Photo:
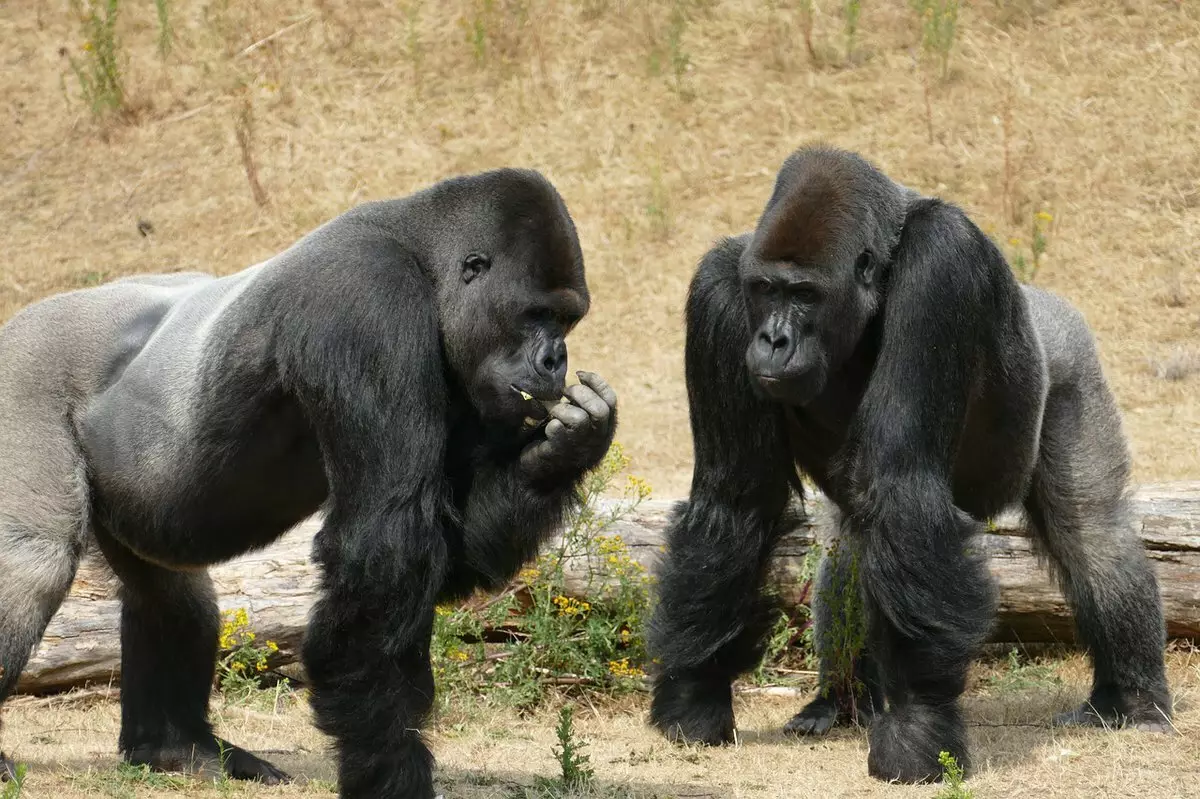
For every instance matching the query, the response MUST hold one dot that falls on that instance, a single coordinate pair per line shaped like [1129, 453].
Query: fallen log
[277, 585]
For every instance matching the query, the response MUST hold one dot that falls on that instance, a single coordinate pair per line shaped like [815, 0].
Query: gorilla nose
[551, 361]
[773, 346]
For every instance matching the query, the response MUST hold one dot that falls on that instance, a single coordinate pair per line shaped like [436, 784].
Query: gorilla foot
[817, 718]
[1087, 715]
[209, 760]
[691, 711]
[8, 768]
[905, 744]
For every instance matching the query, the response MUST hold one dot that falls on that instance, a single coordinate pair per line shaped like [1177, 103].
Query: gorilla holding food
[876, 341]
[398, 368]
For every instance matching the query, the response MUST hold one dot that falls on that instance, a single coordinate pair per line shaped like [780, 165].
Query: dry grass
[1086, 109]
[487, 753]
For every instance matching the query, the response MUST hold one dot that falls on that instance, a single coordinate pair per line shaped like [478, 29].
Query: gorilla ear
[474, 265]
[864, 268]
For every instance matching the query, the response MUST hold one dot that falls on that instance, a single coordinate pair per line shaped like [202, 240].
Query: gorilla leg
[38, 570]
[169, 631]
[849, 688]
[930, 605]
[43, 507]
[1078, 509]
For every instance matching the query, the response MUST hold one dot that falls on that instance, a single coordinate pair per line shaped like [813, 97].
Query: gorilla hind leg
[38, 568]
[1078, 510]
[169, 634]
[849, 689]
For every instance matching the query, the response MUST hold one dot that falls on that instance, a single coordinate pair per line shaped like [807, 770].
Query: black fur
[877, 341]
[370, 370]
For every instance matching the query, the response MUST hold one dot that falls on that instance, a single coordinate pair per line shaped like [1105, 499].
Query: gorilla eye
[474, 265]
[761, 285]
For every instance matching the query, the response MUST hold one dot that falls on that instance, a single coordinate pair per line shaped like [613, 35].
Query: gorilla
[390, 369]
[876, 341]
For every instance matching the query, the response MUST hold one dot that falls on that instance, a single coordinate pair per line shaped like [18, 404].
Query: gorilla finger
[553, 428]
[570, 415]
[590, 401]
[597, 383]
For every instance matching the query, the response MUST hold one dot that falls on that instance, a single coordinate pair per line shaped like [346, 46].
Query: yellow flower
[1045, 216]
[87, 46]
[1015, 242]
[621, 668]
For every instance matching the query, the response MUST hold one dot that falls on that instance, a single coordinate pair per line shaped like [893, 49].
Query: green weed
[852, 11]
[1022, 676]
[953, 782]
[1025, 266]
[12, 788]
[243, 661]
[939, 22]
[166, 33]
[841, 644]
[572, 762]
[127, 781]
[98, 70]
[546, 634]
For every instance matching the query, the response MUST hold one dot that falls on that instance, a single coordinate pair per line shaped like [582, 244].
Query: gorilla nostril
[549, 363]
[780, 342]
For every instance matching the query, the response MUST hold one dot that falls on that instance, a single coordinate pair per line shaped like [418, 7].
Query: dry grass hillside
[662, 123]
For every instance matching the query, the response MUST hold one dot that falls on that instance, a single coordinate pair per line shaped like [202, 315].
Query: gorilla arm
[711, 617]
[929, 599]
[358, 345]
[519, 495]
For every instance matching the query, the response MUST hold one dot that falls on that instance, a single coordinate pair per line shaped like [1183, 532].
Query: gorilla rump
[876, 340]
[384, 367]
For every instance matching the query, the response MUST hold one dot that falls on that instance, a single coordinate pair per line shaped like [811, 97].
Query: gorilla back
[877, 341]
[380, 368]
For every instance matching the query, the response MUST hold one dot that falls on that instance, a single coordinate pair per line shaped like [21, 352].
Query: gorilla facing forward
[386, 368]
[876, 340]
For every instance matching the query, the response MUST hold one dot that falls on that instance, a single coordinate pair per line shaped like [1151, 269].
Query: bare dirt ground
[663, 133]
[492, 754]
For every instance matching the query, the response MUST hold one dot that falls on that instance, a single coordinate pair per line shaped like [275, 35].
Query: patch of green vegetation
[953, 781]
[1022, 675]
[16, 782]
[98, 69]
[586, 636]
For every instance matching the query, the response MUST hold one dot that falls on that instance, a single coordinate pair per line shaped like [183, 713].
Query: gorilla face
[510, 292]
[808, 278]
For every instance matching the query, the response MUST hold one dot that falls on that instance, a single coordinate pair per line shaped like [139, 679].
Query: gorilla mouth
[537, 409]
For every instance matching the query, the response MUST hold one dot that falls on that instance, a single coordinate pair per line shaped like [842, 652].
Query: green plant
[852, 10]
[1026, 268]
[841, 644]
[953, 782]
[125, 780]
[544, 635]
[476, 28]
[572, 762]
[98, 70]
[165, 31]
[939, 22]
[16, 781]
[242, 660]
[669, 52]
[1022, 676]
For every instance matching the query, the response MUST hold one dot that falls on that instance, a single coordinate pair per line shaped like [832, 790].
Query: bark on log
[277, 585]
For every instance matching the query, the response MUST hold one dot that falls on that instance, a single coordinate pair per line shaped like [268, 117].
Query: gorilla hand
[578, 434]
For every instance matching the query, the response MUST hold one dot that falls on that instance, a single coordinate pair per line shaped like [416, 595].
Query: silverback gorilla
[876, 341]
[386, 368]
